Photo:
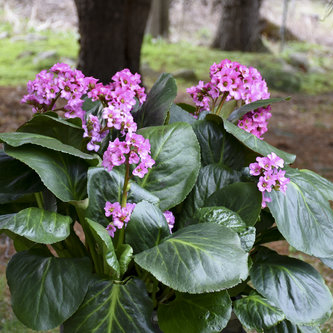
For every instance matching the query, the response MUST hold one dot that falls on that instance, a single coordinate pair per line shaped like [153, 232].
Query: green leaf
[240, 112]
[106, 186]
[259, 146]
[17, 139]
[176, 152]
[159, 100]
[37, 225]
[178, 114]
[210, 179]
[287, 327]
[293, 286]
[187, 107]
[147, 227]
[284, 326]
[104, 249]
[256, 312]
[217, 146]
[113, 308]
[53, 126]
[125, 256]
[230, 219]
[197, 259]
[303, 215]
[46, 291]
[242, 198]
[195, 313]
[64, 175]
[16, 179]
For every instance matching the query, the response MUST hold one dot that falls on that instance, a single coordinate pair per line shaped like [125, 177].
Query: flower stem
[39, 199]
[219, 108]
[124, 200]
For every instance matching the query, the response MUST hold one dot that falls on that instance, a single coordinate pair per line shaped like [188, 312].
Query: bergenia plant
[130, 213]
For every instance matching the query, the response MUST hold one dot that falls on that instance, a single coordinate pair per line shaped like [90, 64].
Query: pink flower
[170, 219]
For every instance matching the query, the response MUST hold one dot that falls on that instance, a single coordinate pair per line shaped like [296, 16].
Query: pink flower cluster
[256, 121]
[135, 148]
[170, 219]
[120, 215]
[117, 97]
[231, 80]
[270, 175]
[60, 81]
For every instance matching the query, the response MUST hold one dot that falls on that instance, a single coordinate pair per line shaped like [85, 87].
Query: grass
[19, 60]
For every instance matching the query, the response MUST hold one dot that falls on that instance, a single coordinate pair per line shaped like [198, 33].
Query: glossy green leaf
[177, 114]
[16, 179]
[197, 259]
[176, 153]
[159, 100]
[256, 312]
[147, 227]
[204, 313]
[293, 286]
[242, 198]
[210, 179]
[46, 291]
[303, 215]
[217, 146]
[228, 108]
[230, 219]
[37, 225]
[106, 186]
[259, 146]
[104, 249]
[240, 112]
[125, 256]
[53, 126]
[284, 326]
[113, 308]
[64, 175]
[18, 139]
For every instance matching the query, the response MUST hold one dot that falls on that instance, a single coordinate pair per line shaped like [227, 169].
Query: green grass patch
[19, 56]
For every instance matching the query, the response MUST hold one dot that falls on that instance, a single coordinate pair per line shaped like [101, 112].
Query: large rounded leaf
[230, 219]
[38, 225]
[113, 308]
[159, 100]
[197, 259]
[242, 198]
[16, 179]
[293, 286]
[64, 175]
[50, 124]
[146, 228]
[18, 139]
[217, 146]
[106, 186]
[303, 215]
[204, 313]
[177, 113]
[210, 179]
[46, 290]
[176, 152]
[256, 312]
[259, 146]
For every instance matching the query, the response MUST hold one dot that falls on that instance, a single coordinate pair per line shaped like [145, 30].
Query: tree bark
[158, 21]
[111, 34]
[239, 28]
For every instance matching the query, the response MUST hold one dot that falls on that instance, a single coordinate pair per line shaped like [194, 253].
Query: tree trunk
[158, 21]
[239, 28]
[111, 34]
